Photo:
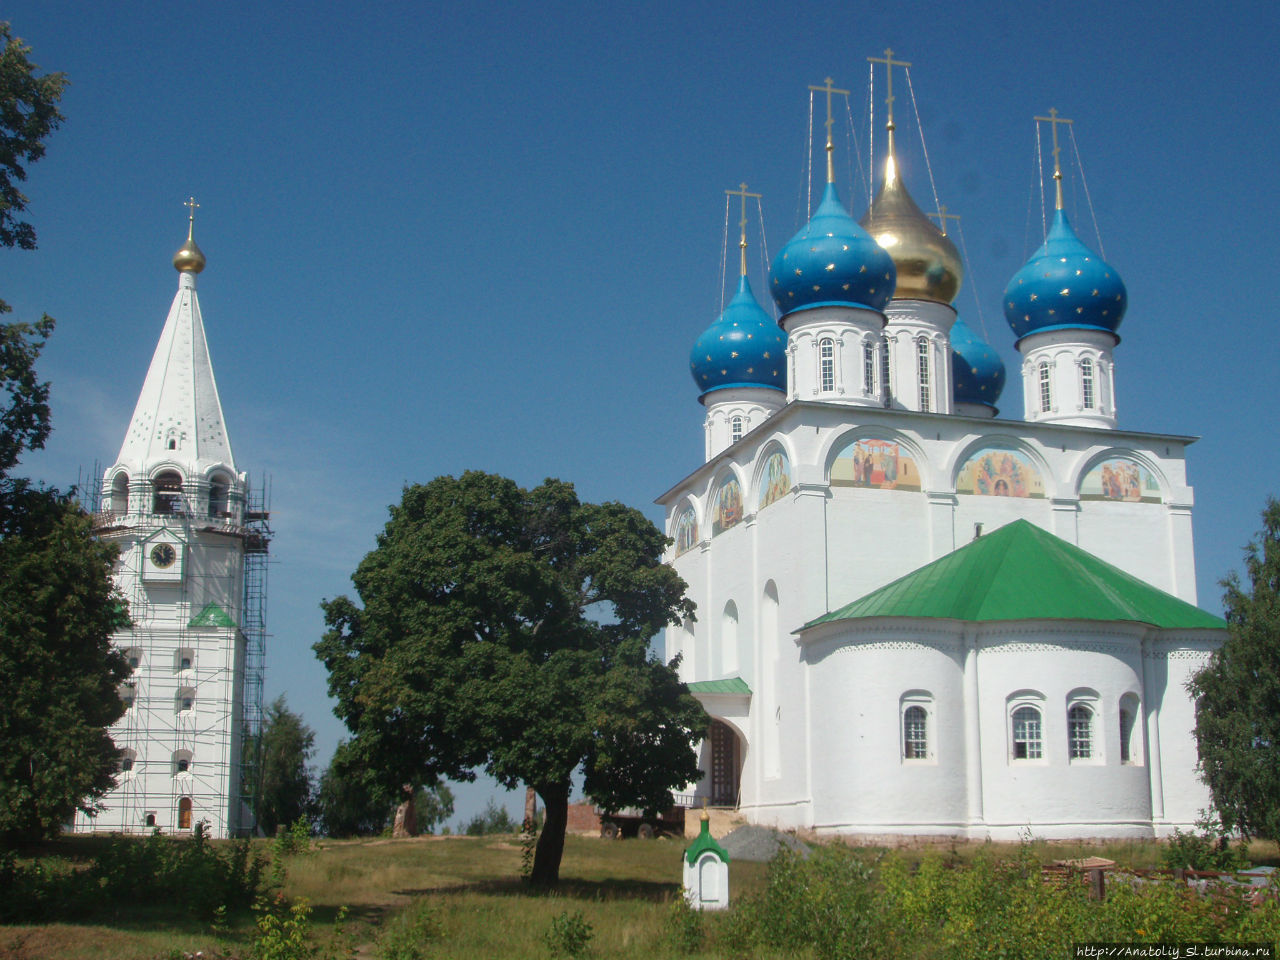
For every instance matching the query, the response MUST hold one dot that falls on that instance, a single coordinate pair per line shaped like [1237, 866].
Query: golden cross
[889, 64]
[1053, 120]
[191, 205]
[829, 90]
[943, 217]
[742, 243]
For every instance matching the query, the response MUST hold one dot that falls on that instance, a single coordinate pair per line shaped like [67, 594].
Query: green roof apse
[1020, 572]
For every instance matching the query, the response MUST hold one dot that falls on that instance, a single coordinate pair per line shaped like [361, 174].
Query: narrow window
[827, 365]
[183, 764]
[1086, 383]
[151, 820]
[884, 371]
[1027, 743]
[185, 700]
[735, 429]
[922, 364]
[1130, 745]
[219, 489]
[184, 813]
[1080, 732]
[1046, 398]
[126, 764]
[173, 444]
[868, 369]
[181, 761]
[915, 733]
[134, 656]
[120, 494]
[127, 695]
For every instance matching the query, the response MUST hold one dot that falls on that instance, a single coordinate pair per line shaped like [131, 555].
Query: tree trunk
[555, 818]
[406, 824]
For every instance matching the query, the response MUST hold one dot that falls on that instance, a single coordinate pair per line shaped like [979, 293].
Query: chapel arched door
[726, 765]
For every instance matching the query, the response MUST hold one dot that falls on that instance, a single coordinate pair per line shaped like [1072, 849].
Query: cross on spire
[943, 217]
[1053, 120]
[742, 242]
[889, 64]
[191, 205]
[828, 89]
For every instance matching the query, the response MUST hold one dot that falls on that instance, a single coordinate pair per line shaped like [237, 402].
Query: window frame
[827, 365]
[1034, 752]
[1088, 395]
[923, 373]
[1046, 387]
[1080, 732]
[922, 701]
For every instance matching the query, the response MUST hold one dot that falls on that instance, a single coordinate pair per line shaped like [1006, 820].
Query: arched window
[168, 493]
[868, 369]
[120, 494]
[922, 365]
[181, 762]
[1086, 384]
[184, 813]
[127, 692]
[735, 429]
[134, 656]
[127, 760]
[185, 700]
[219, 489]
[915, 733]
[827, 365]
[1080, 732]
[183, 658]
[1028, 742]
[150, 820]
[1046, 395]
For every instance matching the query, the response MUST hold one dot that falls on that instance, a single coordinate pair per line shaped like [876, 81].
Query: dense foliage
[283, 787]
[28, 114]
[353, 801]
[847, 903]
[1238, 694]
[129, 875]
[507, 629]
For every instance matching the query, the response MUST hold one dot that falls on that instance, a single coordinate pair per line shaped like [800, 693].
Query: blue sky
[444, 237]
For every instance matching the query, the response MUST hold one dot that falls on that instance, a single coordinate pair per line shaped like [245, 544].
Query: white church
[915, 617]
[193, 538]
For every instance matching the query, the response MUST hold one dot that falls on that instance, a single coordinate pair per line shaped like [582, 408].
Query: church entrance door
[724, 765]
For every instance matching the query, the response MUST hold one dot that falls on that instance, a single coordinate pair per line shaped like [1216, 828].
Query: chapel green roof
[728, 685]
[211, 616]
[1020, 572]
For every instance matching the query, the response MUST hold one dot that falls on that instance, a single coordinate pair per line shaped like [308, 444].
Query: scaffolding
[192, 733]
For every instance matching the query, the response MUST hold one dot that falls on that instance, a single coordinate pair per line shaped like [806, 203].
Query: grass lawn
[468, 886]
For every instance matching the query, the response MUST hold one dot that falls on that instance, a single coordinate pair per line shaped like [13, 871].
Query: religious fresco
[776, 480]
[686, 531]
[726, 508]
[1120, 479]
[879, 464]
[996, 472]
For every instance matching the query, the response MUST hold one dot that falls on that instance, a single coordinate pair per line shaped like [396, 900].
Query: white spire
[178, 419]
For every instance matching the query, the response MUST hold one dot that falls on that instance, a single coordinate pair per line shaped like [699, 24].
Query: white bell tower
[192, 547]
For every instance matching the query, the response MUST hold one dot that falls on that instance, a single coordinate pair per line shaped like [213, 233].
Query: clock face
[163, 555]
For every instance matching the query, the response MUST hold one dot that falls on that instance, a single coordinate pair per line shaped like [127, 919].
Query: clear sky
[485, 235]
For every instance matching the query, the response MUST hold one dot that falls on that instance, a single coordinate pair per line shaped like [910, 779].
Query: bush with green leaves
[1208, 847]
[409, 933]
[684, 927]
[187, 877]
[494, 818]
[569, 934]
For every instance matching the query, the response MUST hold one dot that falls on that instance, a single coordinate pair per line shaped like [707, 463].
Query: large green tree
[59, 675]
[283, 786]
[508, 629]
[1238, 694]
[353, 800]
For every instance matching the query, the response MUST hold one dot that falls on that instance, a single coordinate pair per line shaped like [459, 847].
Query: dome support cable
[937, 204]
[1088, 198]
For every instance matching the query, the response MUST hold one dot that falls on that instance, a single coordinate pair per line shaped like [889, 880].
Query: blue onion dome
[977, 371]
[1064, 285]
[832, 261]
[743, 348]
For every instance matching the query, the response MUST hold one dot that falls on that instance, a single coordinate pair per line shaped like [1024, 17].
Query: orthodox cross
[943, 217]
[1053, 120]
[742, 243]
[191, 205]
[829, 90]
[889, 64]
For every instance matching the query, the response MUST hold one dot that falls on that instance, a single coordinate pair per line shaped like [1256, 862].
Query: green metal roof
[728, 685]
[1020, 572]
[704, 842]
[211, 616]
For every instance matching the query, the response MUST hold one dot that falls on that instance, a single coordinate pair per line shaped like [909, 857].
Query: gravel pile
[759, 844]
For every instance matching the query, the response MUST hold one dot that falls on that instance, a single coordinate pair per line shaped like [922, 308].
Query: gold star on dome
[829, 267]
[844, 286]
[1095, 291]
[844, 247]
[1078, 272]
[863, 268]
[1033, 297]
[751, 369]
[816, 288]
[733, 355]
[766, 354]
[797, 271]
[1066, 291]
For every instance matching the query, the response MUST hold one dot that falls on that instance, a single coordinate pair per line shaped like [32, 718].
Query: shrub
[404, 936]
[1208, 848]
[684, 928]
[492, 819]
[569, 935]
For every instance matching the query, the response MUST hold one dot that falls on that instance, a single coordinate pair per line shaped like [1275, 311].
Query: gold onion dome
[928, 264]
[189, 258]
